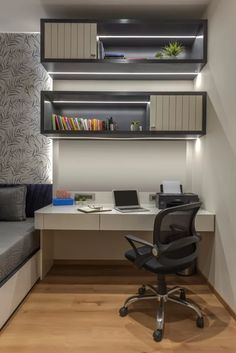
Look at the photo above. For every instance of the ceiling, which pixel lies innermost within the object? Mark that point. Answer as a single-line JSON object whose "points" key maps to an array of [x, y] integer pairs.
{"points": [[24, 15]]}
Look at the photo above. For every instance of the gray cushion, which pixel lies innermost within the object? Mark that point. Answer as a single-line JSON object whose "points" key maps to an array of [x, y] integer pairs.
{"points": [[18, 241], [12, 203]]}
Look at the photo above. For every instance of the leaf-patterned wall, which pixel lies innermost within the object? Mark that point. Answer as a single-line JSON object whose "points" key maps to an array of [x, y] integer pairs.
{"points": [[25, 155]]}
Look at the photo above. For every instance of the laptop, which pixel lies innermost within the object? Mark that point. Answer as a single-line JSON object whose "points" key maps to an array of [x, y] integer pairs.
{"points": [[127, 201]]}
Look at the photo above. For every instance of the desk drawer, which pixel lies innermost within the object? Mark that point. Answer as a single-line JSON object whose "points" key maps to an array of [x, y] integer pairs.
{"points": [[130, 222], [71, 221], [145, 222]]}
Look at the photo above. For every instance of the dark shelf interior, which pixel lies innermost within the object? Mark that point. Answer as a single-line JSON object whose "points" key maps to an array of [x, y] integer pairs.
{"points": [[122, 109], [137, 42]]}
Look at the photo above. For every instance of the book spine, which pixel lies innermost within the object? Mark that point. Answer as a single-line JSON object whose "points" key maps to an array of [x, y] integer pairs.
{"points": [[64, 123], [67, 123], [73, 123], [70, 123], [54, 122], [83, 123], [89, 124], [76, 124], [80, 124], [57, 123], [60, 122]]}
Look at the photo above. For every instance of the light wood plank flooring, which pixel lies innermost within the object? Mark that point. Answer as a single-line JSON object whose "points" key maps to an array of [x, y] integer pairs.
{"points": [[75, 310]]}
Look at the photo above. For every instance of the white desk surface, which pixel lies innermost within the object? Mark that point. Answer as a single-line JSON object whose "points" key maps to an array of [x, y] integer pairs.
{"points": [[50, 209], [68, 217]]}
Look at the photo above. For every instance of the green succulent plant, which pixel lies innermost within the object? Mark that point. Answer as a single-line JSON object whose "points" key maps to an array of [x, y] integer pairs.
{"points": [[159, 55], [173, 49]]}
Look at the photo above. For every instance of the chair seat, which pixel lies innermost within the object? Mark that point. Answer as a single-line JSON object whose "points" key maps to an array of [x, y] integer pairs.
{"points": [[153, 265]]}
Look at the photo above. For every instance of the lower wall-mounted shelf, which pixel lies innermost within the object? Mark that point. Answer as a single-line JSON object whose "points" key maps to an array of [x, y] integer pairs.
{"points": [[123, 115]]}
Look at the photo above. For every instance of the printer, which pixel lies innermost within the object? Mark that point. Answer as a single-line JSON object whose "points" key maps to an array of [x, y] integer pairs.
{"points": [[165, 199]]}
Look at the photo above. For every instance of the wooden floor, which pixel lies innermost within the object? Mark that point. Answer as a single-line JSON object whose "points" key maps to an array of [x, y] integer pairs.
{"points": [[75, 310]]}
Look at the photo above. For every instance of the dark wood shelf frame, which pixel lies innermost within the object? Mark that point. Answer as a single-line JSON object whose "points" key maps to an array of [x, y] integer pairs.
{"points": [[113, 68], [50, 96]]}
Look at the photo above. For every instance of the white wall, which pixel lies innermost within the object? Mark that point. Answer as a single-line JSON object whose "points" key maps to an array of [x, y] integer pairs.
{"points": [[214, 163], [122, 85], [105, 165]]}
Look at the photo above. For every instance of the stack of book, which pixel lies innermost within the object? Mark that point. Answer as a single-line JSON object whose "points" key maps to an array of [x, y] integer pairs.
{"points": [[76, 124]]}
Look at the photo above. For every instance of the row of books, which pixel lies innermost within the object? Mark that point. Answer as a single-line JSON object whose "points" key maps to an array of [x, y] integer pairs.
{"points": [[71, 123]]}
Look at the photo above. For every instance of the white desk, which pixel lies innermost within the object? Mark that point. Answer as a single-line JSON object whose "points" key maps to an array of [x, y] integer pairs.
{"points": [[68, 218]]}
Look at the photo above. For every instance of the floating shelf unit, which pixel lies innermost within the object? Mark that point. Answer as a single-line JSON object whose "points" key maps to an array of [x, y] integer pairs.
{"points": [[161, 115], [121, 49]]}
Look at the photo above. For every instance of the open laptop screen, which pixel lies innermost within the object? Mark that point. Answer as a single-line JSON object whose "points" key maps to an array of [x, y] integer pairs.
{"points": [[126, 198]]}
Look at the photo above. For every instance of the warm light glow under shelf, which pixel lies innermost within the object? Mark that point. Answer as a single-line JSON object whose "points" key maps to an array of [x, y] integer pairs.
{"points": [[124, 73]]}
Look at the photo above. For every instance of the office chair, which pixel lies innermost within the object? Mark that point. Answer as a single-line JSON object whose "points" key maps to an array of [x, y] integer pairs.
{"points": [[174, 248]]}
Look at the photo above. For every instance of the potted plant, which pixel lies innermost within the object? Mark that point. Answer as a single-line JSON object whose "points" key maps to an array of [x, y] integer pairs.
{"points": [[171, 50]]}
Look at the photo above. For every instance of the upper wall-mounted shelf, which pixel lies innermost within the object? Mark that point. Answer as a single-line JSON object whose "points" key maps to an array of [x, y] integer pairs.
{"points": [[122, 49]]}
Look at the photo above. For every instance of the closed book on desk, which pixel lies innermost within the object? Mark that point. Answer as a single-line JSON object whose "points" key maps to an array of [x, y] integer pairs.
{"points": [[87, 209]]}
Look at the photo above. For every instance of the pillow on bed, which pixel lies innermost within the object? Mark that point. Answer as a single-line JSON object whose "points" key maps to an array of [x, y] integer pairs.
{"points": [[12, 203]]}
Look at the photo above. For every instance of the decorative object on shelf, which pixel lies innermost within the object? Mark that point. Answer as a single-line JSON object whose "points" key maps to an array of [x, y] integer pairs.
{"points": [[111, 124], [114, 55], [159, 55], [173, 49], [136, 126]]}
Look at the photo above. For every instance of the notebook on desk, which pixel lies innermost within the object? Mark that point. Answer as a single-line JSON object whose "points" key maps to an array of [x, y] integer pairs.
{"points": [[127, 201]]}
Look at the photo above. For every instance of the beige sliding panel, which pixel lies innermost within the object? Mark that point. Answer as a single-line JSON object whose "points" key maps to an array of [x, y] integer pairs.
{"points": [[185, 124], [48, 40], [80, 40], [61, 40], [192, 113], [156, 113], [176, 112], [179, 113], [172, 113], [199, 115], [93, 41], [66, 40]]}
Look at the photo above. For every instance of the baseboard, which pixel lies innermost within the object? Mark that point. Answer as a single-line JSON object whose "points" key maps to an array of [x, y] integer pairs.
{"points": [[219, 297]]}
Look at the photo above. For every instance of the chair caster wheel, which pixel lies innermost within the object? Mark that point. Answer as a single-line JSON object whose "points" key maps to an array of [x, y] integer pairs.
{"points": [[158, 335], [200, 322], [123, 311], [142, 290], [182, 295]]}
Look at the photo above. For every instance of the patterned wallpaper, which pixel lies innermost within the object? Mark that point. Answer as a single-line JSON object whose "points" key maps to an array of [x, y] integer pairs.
{"points": [[25, 155]]}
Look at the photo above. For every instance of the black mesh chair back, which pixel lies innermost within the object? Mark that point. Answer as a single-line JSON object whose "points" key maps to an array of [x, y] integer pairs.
{"points": [[175, 236]]}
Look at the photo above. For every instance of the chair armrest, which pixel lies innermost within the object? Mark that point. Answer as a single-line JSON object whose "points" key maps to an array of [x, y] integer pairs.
{"points": [[133, 239], [177, 244], [141, 259]]}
